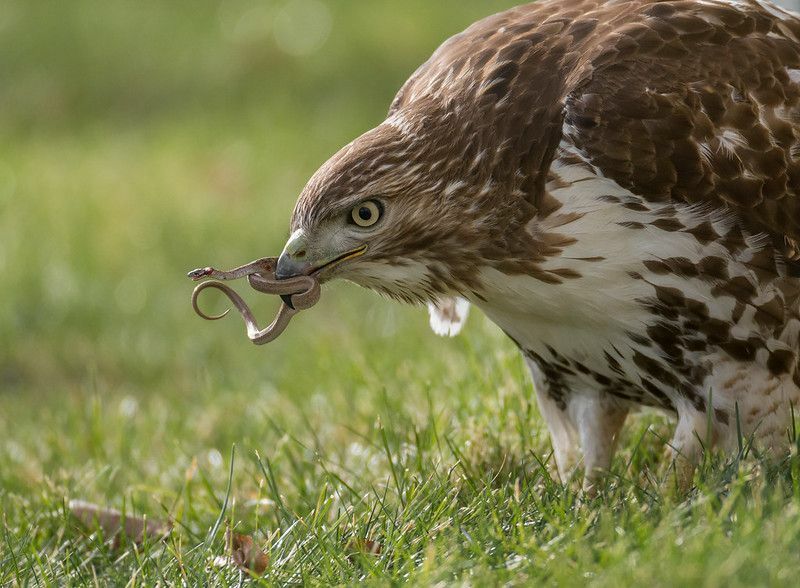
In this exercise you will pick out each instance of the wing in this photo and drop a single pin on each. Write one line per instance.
(699, 102)
(692, 101)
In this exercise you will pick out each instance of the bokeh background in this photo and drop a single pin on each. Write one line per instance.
(140, 140)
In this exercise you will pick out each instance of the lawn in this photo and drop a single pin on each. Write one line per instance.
(140, 140)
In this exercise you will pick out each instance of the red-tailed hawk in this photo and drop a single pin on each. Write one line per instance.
(616, 185)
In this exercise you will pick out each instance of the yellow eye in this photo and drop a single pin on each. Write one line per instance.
(367, 213)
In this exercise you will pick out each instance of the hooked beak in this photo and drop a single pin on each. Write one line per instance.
(298, 259)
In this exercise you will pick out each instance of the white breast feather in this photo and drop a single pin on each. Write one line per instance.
(586, 316)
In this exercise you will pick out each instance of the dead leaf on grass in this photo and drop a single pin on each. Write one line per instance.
(365, 546)
(243, 553)
(114, 524)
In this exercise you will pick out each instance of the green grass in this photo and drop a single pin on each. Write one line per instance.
(140, 140)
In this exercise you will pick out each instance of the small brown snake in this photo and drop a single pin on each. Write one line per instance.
(298, 293)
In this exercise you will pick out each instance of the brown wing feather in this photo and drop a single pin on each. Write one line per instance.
(676, 100)
(699, 103)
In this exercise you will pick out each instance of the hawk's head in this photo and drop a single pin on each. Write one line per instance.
(406, 210)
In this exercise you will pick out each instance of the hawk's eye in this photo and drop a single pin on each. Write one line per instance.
(367, 213)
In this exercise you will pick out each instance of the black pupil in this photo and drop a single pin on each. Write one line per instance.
(364, 213)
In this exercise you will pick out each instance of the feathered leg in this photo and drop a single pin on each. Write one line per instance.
(563, 434)
(686, 446)
(587, 422)
(599, 421)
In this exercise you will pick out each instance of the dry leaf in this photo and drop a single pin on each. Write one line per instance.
(243, 553)
(114, 524)
(365, 546)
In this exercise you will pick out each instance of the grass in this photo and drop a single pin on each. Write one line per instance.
(138, 143)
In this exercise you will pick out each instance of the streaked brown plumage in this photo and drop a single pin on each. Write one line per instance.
(617, 186)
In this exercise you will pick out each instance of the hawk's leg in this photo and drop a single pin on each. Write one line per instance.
(748, 400)
(687, 443)
(582, 421)
(563, 433)
(599, 421)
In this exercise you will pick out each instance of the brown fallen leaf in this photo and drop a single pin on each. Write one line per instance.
(365, 546)
(114, 524)
(243, 553)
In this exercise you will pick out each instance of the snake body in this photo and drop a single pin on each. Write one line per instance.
(298, 293)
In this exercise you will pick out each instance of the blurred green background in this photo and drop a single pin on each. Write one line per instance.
(141, 139)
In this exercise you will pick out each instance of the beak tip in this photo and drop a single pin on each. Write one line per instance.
(289, 268)
(287, 300)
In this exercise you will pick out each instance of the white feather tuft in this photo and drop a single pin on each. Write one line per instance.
(448, 315)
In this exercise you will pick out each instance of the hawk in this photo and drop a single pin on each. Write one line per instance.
(616, 185)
